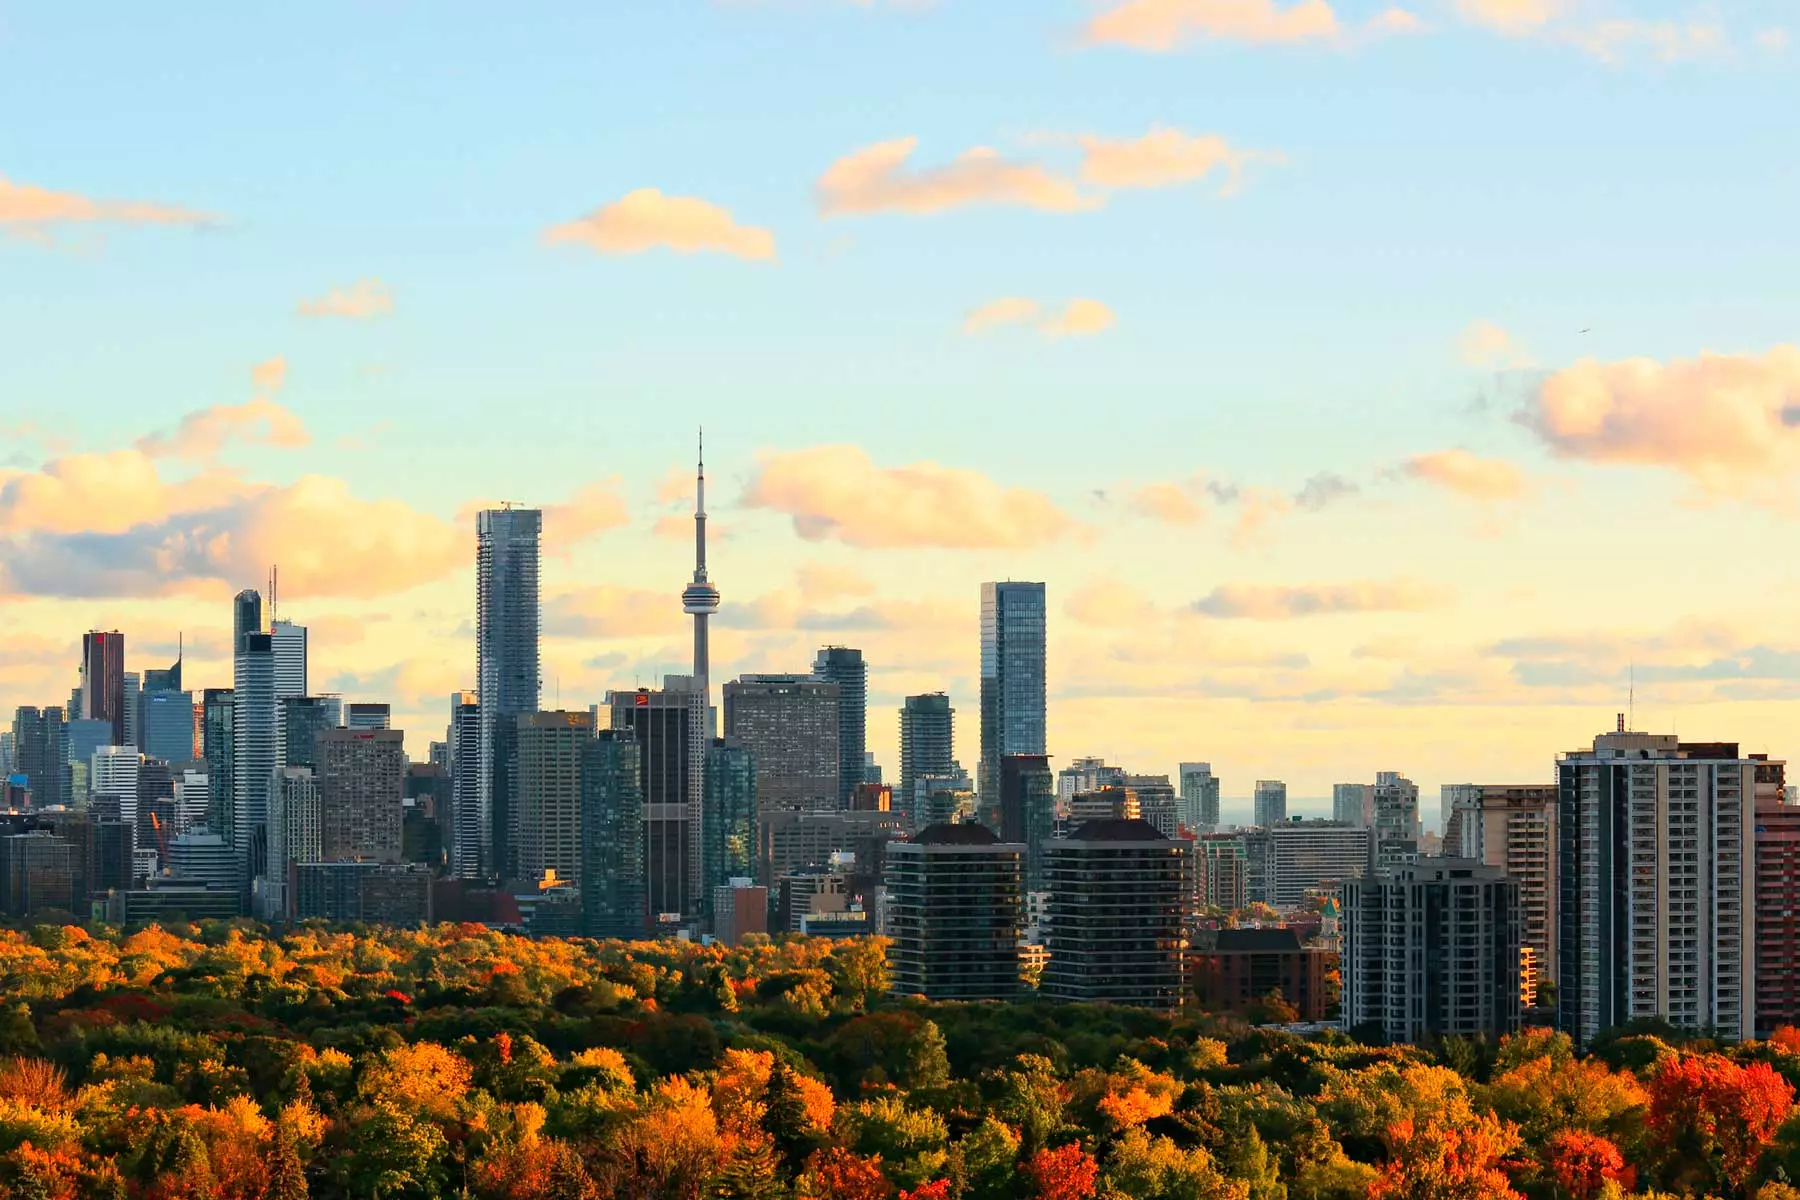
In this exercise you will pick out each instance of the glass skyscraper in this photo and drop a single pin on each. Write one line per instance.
(613, 903)
(729, 815)
(1012, 678)
(506, 669)
(927, 747)
(845, 667)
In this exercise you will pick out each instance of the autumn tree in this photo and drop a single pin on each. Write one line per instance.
(1065, 1173)
(1584, 1163)
(1446, 1157)
(839, 1174)
(1710, 1119)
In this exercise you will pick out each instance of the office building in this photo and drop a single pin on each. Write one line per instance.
(941, 800)
(1655, 882)
(463, 753)
(132, 690)
(165, 679)
(38, 871)
(166, 726)
(955, 908)
(103, 681)
(1236, 970)
(1396, 819)
(730, 814)
(368, 715)
(1513, 827)
(1312, 858)
(114, 772)
(289, 643)
(547, 793)
(387, 893)
(1432, 948)
(205, 860)
(1221, 872)
(1157, 802)
(301, 822)
(1087, 775)
(218, 728)
(669, 728)
(844, 666)
(790, 726)
(1257, 853)
(1108, 803)
(1028, 810)
(613, 896)
(1353, 804)
(1777, 913)
(168, 902)
(1270, 803)
(40, 753)
(927, 742)
(740, 908)
(303, 719)
(82, 739)
(1199, 806)
(362, 785)
(507, 672)
(794, 841)
(193, 794)
(1012, 678)
(255, 725)
(1118, 893)
(871, 797)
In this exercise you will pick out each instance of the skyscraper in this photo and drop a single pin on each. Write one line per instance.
(114, 773)
(927, 744)
(166, 726)
(255, 722)
(1028, 811)
(1354, 804)
(40, 752)
(103, 681)
(845, 667)
(463, 741)
(506, 665)
(547, 792)
(366, 714)
(303, 719)
(1396, 819)
(1118, 891)
(730, 809)
(701, 599)
(1271, 803)
(131, 691)
(955, 907)
(789, 724)
(362, 788)
(218, 728)
(1199, 807)
(1513, 827)
(289, 641)
(673, 770)
(612, 836)
(1012, 678)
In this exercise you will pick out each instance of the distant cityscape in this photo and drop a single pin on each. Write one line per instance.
(1644, 877)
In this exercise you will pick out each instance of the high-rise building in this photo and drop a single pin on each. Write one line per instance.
(613, 902)
(1432, 948)
(700, 600)
(255, 733)
(1157, 802)
(730, 815)
(40, 752)
(166, 726)
(789, 724)
(463, 744)
(164, 679)
(368, 714)
(1354, 804)
(547, 793)
(37, 872)
(955, 906)
(1396, 819)
(1270, 803)
(1028, 811)
(1221, 872)
(1118, 893)
(289, 641)
(81, 739)
(218, 727)
(1777, 914)
(131, 689)
(927, 743)
(103, 681)
(1112, 803)
(672, 764)
(362, 789)
(246, 614)
(204, 859)
(302, 820)
(1655, 883)
(1309, 858)
(303, 719)
(1513, 827)
(1087, 775)
(506, 669)
(115, 773)
(1012, 678)
(844, 666)
(1199, 808)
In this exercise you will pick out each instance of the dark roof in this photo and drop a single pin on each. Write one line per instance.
(956, 835)
(1116, 829)
(1242, 940)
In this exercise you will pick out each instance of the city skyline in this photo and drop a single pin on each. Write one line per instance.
(894, 350)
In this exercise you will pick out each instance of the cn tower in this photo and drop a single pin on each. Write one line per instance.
(701, 599)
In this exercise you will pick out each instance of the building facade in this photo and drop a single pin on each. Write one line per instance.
(303, 719)
(1117, 902)
(1353, 804)
(729, 815)
(1777, 914)
(1199, 807)
(1028, 810)
(1013, 623)
(614, 901)
(103, 682)
(1270, 804)
(1236, 970)
(1396, 819)
(669, 728)
(1312, 858)
(546, 791)
(1513, 827)
(362, 789)
(927, 743)
(507, 672)
(253, 739)
(790, 726)
(955, 907)
(844, 666)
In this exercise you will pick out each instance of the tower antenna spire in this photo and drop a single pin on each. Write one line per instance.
(701, 599)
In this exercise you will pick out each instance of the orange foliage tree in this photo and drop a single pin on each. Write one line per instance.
(1713, 1118)
(1442, 1157)
(1584, 1163)
(1065, 1173)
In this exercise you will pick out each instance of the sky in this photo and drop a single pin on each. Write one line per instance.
(1375, 387)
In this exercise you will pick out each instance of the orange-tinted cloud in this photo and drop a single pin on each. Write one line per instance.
(362, 300)
(1108, 604)
(877, 178)
(820, 581)
(1081, 318)
(1670, 41)
(838, 493)
(1511, 16)
(1164, 157)
(1265, 603)
(202, 435)
(1161, 25)
(1078, 318)
(104, 493)
(613, 611)
(1486, 345)
(1171, 503)
(1468, 474)
(647, 219)
(1731, 423)
(36, 210)
(1008, 310)
(594, 509)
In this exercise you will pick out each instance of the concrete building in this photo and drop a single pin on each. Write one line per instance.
(1777, 913)
(1353, 804)
(1396, 820)
(669, 727)
(1117, 901)
(1655, 883)
(1310, 858)
(103, 682)
(1013, 624)
(1199, 807)
(844, 666)
(301, 823)
(793, 841)
(740, 908)
(384, 893)
(1087, 775)
(1157, 802)
(1237, 969)
(1028, 810)
(38, 871)
(507, 673)
(114, 772)
(955, 908)
(1221, 872)
(462, 744)
(1513, 827)
(165, 901)
(362, 789)
(613, 882)
(205, 860)
(1110, 803)
(1432, 948)
(790, 726)
(546, 791)
(1270, 803)
(927, 744)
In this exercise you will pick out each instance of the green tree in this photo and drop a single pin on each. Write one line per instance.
(287, 1175)
(859, 971)
(394, 1153)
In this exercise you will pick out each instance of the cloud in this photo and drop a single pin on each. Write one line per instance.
(203, 434)
(1163, 25)
(647, 219)
(1082, 318)
(1774, 39)
(1110, 605)
(613, 611)
(270, 376)
(1170, 503)
(1486, 345)
(838, 493)
(1164, 157)
(1731, 423)
(34, 211)
(1008, 310)
(877, 179)
(1262, 603)
(361, 301)
(1510, 16)
(1670, 41)
(594, 509)
(1468, 475)
(1323, 490)
(830, 581)
(104, 493)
